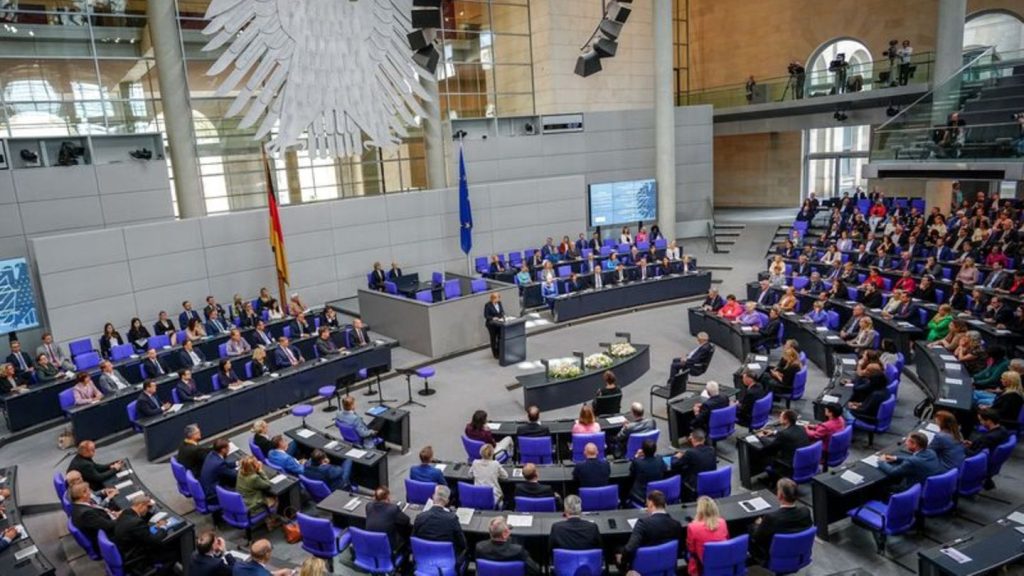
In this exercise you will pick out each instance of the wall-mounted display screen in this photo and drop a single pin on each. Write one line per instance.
(17, 303)
(622, 202)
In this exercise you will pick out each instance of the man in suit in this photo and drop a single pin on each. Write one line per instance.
(215, 326)
(637, 424)
(286, 354)
(324, 345)
(425, 471)
(211, 306)
(657, 528)
(187, 314)
(189, 356)
(548, 248)
(88, 516)
(211, 557)
(942, 252)
(499, 549)
(261, 336)
(54, 353)
(190, 454)
(110, 381)
(702, 410)
(395, 273)
(620, 276)
(236, 345)
(997, 279)
(377, 277)
(993, 436)
(765, 296)
(696, 360)
(187, 389)
(850, 330)
(788, 519)
(216, 470)
(257, 565)
(574, 533)
(21, 361)
(752, 392)
(163, 325)
(438, 524)
(532, 488)
(802, 267)
(153, 365)
(349, 417)
(689, 463)
(997, 312)
(148, 404)
(781, 445)
(905, 310)
(319, 467)
(94, 474)
(769, 333)
(384, 516)
(494, 314)
(140, 546)
(532, 427)
(592, 472)
(905, 471)
(358, 335)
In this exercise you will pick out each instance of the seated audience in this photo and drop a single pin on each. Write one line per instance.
(148, 405)
(532, 427)
(425, 470)
(788, 519)
(586, 423)
(637, 423)
(499, 548)
(477, 430)
(336, 477)
(592, 472)
(645, 468)
(485, 471)
(574, 533)
(905, 471)
(349, 417)
(689, 463)
(707, 526)
(438, 524)
(279, 458)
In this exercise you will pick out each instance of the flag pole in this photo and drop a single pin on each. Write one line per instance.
(274, 229)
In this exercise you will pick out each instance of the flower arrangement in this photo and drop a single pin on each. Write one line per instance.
(564, 369)
(621, 350)
(598, 361)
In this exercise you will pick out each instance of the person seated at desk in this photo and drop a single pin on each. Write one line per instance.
(751, 392)
(971, 352)
(191, 454)
(301, 326)
(906, 471)
(586, 423)
(1007, 401)
(84, 391)
(439, 524)
(870, 376)
(637, 424)
(164, 326)
(523, 276)
(751, 317)
(495, 266)
(211, 306)
(870, 297)
(997, 312)
(226, 374)
(620, 275)
(788, 519)
(187, 314)
(255, 488)
(575, 283)
(349, 417)
(111, 381)
(905, 308)
(189, 356)
(109, 339)
(215, 326)
(713, 400)
(592, 472)
(547, 272)
(815, 285)
(138, 335)
(286, 354)
(377, 277)
(788, 301)
(477, 430)
(536, 260)
(641, 272)
(499, 548)
(359, 336)
(712, 302)
(780, 378)
(532, 427)
(329, 318)
(802, 267)
(947, 443)
(938, 326)
(336, 477)
(867, 410)
(610, 388)
(574, 533)
(549, 290)
(236, 345)
(817, 315)
(46, 372)
(486, 471)
(531, 486)
(690, 462)
(274, 311)
(548, 249)
(216, 471)
(211, 557)
(732, 309)
(395, 272)
(865, 338)
(248, 316)
(94, 474)
(261, 336)
(324, 345)
(141, 546)
(993, 435)
(968, 273)
(281, 459)
(906, 283)
(892, 304)
(781, 444)
(21, 362)
(765, 295)
(57, 357)
(833, 424)
(148, 404)
(194, 330)
(425, 471)
(88, 516)
(672, 251)
(612, 262)
(296, 305)
(187, 389)
(655, 528)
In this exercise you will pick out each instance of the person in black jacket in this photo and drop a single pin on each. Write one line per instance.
(438, 524)
(868, 409)
(689, 463)
(139, 546)
(788, 519)
(697, 360)
(190, 454)
(499, 549)
(532, 428)
(87, 516)
(657, 528)
(769, 334)
(993, 436)
(494, 314)
(148, 404)
(752, 392)
(782, 444)
(153, 366)
(574, 533)
(702, 410)
(384, 516)
(645, 468)
(210, 557)
(592, 472)
(532, 488)
(94, 474)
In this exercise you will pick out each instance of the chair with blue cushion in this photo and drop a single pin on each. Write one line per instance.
(110, 554)
(452, 289)
(938, 494)
(883, 422)
(790, 553)
(83, 541)
(235, 513)
(671, 487)
(494, 568)
(725, 558)
(390, 287)
(87, 361)
(121, 352)
(480, 264)
(256, 451)
(973, 473)
(203, 506)
(67, 401)
(321, 538)
(1000, 455)
(215, 382)
(659, 560)
(535, 450)
(832, 321)
(178, 471)
(525, 504)
(133, 415)
(417, 492)
(287, 332)
(805, 462)
(761, 412)
(721, 424)
(888, 519)
(60, 485)
(222, 350)
(799, 387)
(580, 441)
(600, 498)
(892, 373)
(478, 285)
(318, 489)
(349, 434)
(425, 296)
(79, 347)
(636, 441)
(373, 552)
(515, 259)
(800, 282)
(437, 278)
(479, 497)
(175, 397)
(715, 483)
(577, 562)
(159, 342)
(434, 558)
(839, 447)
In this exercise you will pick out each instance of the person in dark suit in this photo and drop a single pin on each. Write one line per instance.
(495, 266)
(140, 546)
(574, 533)
(189, 356)
(210, 557)
(211, 306)
(286, 354)
(190, 454)
(261, 336)
(494, 313)
(186, 388)
(868, 409)
(781, 445)
(499, 549)
(88, 516)
(592, 472)
(752, 392)
(395, 272)
(689, 463)
(216, 470)
(769, 334)
(906, 471)
(259, 560)
(216, 324)
(301, 326)
(871, 298)
(187, 314)
(702, 410)
(94, 474)
(23, 365)
(377, 277)
(163, 325)
(438, 524)
(696, 361)
(765, 295)
(645, 468)
(532, 488)
(148, 404)
(358, 335)
(319, 467)
(532, 427)
(153, 365)
(994, 434)
(657, 528)
(324, 346)
(384, 516)
(788, 519)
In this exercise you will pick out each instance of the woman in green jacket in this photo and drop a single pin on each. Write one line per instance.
(254, 486)
(990, 376)
(938, 326)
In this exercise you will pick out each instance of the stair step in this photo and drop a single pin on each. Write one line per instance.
(728, 234)
(731, 226)
(725, 242)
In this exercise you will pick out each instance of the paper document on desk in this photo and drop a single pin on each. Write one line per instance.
(304, 433)
(833, 338)
(951, 366)
(157, 517)
(25, 553)
(929, 434)
(760, 358)
(954, 381)
(355, 453)
(632, 522)
(956, 555)
(441, 467)
(353, 504)
(821, 328)
(753, 366)
(239, 555)
(520, 520)
(617, 420)
(123, 485)
(852, 477)
(747, 328)
(331, 445)
(752, 439)
(517, 472)
(1017, 517)
(121, 474)
(932, 426)
(492, 426)
(133, 495)
(849, 362)
(465, 515)
(278, 479)
(871, 460)
(232, 448)
(174, 408)
(755, 504)
(829, 398)
(948, 357)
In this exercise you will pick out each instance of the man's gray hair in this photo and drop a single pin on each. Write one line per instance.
(191, 430)
(637, 408)
(497, 527)
(702, 336)
(573, 505)
(711, 387)
(442, 494)
(1017, 365)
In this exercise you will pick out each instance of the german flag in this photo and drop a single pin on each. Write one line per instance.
(276, 234)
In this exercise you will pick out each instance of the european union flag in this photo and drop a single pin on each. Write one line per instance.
(465, 212)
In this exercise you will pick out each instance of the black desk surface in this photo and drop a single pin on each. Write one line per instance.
(561, 427)
(986, 548)
(588, 302)
(546, 473)
(369, 467)
(34, 565)
(549, 393)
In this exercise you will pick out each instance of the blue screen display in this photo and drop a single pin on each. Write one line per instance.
(623, 202)
(17, 304)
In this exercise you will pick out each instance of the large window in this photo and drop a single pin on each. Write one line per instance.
(823, 80)
(1001, 29)
(834, 159)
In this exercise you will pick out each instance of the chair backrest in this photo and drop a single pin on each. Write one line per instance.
(660, 243)
(390, 287)
(762, 411)
(480, 497)
(722, 423)
(198, 494)
(472, 448)
(215, 382)
(84, 542)
(832, 319)
(121, 352)
(678, 384)
(577, 562)
(159, 342)
(608, 404)
(1000, 455)
(885, 412)
(715, 483)
(902, 510)
(791, 552)
(178, 471)
(973, 473)
(434, 558)
(839, 446)
(222, 350)
(256, 451)
(525, 504)
(580, 441)
(478, 285)
(564, 271)
(480, 264)
(799, 384)
(133, 414)
(175, 396)
(110, 554)
(805, 462)
(636, 441)
(417, 492)
(726, 557)
(348, 433)
(892, 373)
(536, 450)
(87, 361)
(452, 288)
(671, 487)
(425, 296)
(67, 400)
(286, 332)
(79, 347)
(600, 498)
(372, 551)
(438, 277)
(318, 537)
(233, 508)
(60, 486)
(317, 489)
(515, 258)
(938, 492)
(493, 568)
(800, 282)
(657, 560)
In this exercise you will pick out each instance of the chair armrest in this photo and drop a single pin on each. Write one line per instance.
(875, 512)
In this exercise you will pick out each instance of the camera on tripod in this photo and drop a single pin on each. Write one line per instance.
(69, 154)
(794, 69)
(893, 51)
(839, 63)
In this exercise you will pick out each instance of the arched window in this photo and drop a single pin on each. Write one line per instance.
(822, 81)
(998, 28)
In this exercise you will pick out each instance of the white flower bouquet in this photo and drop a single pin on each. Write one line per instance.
(598, 361)
(621, 350)
(564, 369)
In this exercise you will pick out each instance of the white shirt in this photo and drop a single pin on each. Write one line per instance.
(905, 54)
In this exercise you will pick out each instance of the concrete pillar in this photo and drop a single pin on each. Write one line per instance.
(174, 97)
(949, 48)
(291, 170)
(938, 193)
(664, 118)
(433, 137)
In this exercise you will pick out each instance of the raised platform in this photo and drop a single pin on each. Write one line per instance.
(551, 393)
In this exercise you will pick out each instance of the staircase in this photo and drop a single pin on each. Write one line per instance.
(722, 237)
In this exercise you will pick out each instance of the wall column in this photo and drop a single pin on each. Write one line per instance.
(433, 138)
(181, 137)
(938, 193)
(664, 118)
(949, 48)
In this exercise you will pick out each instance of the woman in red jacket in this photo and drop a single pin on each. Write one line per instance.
(824, 431)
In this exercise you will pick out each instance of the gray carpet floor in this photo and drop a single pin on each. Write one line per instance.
(474, 381)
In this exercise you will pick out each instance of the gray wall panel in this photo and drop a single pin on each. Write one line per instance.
(167, 297)
(312, 272)
(7, 193)
(239, 257)
(358, 211)
(83, 250)
(302, 245)
(60, 215)
(305, 218)
(10, 221)
(135, 207)
(79, 286)
(163, 238)
(87, 319)
(359, 237)
(14, 247)
(133, 177)
(245, 282)
(221, 229)
(35, 185)
(415, 229)
(171, 268)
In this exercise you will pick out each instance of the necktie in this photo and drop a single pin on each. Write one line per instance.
(288, 353)
(159, 368)
(195, 358)
(361, 339)
(49, 351)
(21, 360)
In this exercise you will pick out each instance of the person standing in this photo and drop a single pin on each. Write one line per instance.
(905, 53)
(494, 314)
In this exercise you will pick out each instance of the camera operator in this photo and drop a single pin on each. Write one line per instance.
(797, 75)
(892, 53)
(1018, 143)
(906, 52)
(750, 89)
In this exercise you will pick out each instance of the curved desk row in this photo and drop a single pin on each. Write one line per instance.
(558, 476)
(738, 340)
(638, 293)
(984, 551)
(680, 411)
(560, 430)
(943, 377)
(549, 393)
(22, 557)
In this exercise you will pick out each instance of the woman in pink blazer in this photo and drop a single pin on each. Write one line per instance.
(833, 425)
(708, 526)
(85, 392)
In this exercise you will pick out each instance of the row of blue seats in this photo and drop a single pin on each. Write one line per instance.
(516, 259)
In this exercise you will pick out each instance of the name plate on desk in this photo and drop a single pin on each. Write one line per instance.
(954, 381)
(821, 328)
(951, 366)
(121, 474)
(520, 520)
(948, 357)
(871, 461)
(278, 479)
(353, 504)
(833, 338)
(355, 453)
(25, 553)
(760, 358)
(617, 420)
(829, 398)
(747, 328)
(753, 366)
(331, 445)
(849, 362)
(465, 515)
(958, 556)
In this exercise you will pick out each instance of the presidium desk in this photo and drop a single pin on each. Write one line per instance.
(636, 293)
(548, 393)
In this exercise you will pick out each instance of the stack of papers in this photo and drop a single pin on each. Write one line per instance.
(331, 445)
(753, 366)
(25, 553)
(232, 448)
(520, 520)
(755, 504)
(492, 426)
(278, 479)
(304, 433)
(849, 362)
(1017, 517)
(871, 461)
(747, 328)
(441, 467)
(617, 420)
(852, 477)
(752, 439)
(353, 504)
(829, 398)
(465, 515)
(956, 555)
(760, 358)
(174, 408)
(355, 453)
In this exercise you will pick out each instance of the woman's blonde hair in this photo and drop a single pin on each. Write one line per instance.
(259, 427)
(707, 512)
(1011, 382)
(247, 466)
(791, 356)
(487, 452)
(945, 309)
(586, 415)
(258, 353)
(313, 566)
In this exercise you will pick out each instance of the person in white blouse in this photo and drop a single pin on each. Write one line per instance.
(485, 471)
(844, 244)
(831, 256)
(625, 237)
(672, 252)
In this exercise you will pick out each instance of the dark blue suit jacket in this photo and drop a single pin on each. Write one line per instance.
(592, 473)
(281, 359)
(148, 406)
(203, 565)
(249, 569)
(184, 317)
(216, 471)
(184, 359)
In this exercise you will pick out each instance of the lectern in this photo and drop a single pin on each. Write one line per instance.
(512, 341)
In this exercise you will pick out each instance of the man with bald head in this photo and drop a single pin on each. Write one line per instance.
(103, 497)
(259, 562)
(94, 474)
(592, 472)
(88, 516)
(141, 547)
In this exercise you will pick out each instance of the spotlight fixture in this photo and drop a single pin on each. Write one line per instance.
(892, 110)
(588, 63)
(141, 154)
(29, 156)
(603, 43)
(459, 134)
(426, 18)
